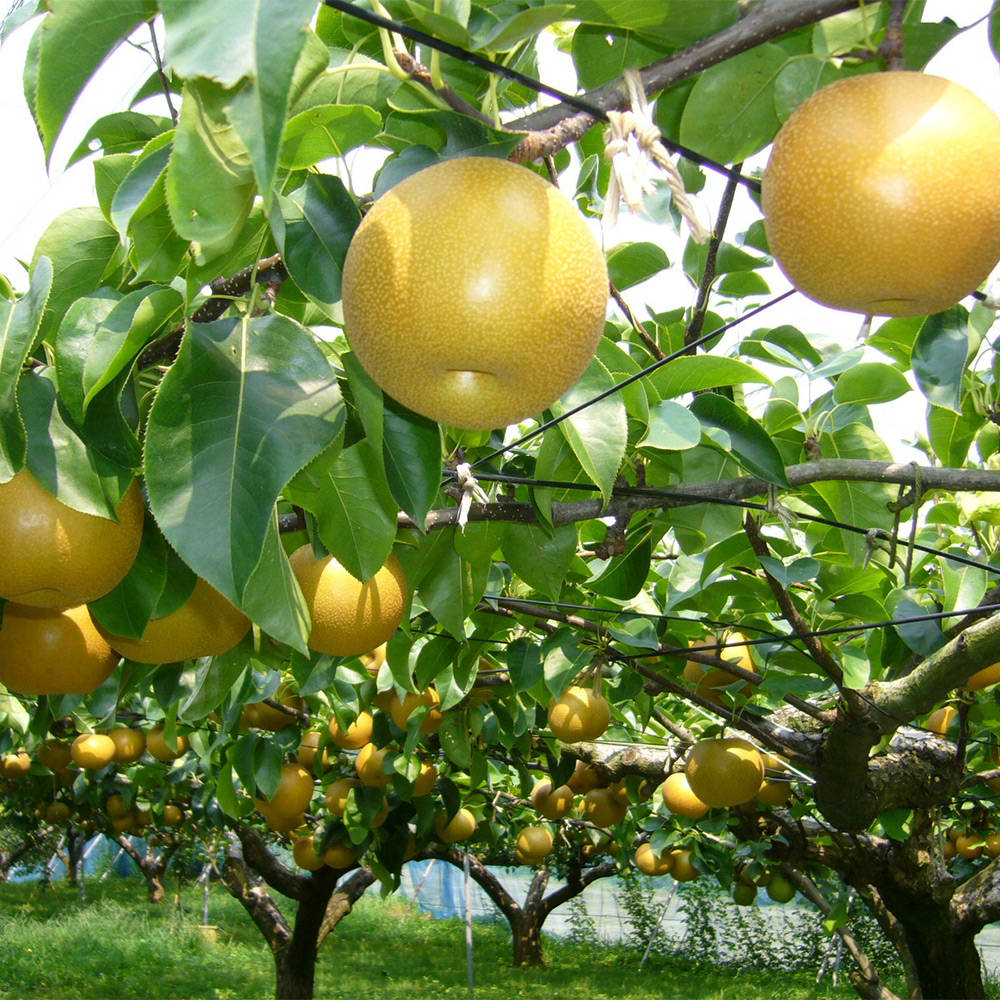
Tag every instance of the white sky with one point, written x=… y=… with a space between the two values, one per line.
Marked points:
x=33 y=198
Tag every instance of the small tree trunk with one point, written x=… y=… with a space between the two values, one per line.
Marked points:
x=527 y=938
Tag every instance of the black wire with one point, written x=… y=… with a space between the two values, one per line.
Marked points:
x=882 y=534
x=481 y=62
x=648 y=370
x=763 y=641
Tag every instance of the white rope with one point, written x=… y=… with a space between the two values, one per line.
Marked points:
x=471 y=490
x=633 y=148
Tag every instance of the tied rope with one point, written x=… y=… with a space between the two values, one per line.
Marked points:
x=632 y=146
x=471 y=490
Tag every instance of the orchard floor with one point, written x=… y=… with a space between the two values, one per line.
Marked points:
x=119 y=947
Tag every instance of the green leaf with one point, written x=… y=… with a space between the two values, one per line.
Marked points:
x=676 y=23
x=623 y=576
x=600 y=56
x=135 y=187
x=799 y=571
x=871 y=382
x=121 y=132
x=275 y=35
x=449 y=586
x=225 y=790
x=313 y=226
x=923 y=637
x=748 y=442
x=59 y=458
x=210 y=180
x=524 y=664
x=951 y=434
x=730 y=113
x=246 y=405
x=563 y=658
x=215 y=677
x=455 y=741
x=798 y=80
x=598 y=434
x=672 y=427
x=939 y=357
x=80 y=245
x=964 y=586
x=540 y=558
x=101 y=334
x=19 y=323
x=354 y=508
x=994 y=26
x=75 y=38
x=127 y=609
x=327 y=130
x=524 y=24
x=705 y=371
x=632 y=263
x=411 y=450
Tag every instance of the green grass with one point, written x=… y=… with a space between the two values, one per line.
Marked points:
x=120 y=946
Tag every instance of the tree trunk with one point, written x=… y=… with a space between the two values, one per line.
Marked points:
x=947 y=961
x=526 y=929
x=151 y=865
x=295 y=963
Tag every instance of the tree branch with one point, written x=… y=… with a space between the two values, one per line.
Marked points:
x=767 y=20
x=867 y=981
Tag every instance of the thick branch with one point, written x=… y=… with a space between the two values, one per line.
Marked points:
x=867 y=981
x=342 y=901
x=253 y=896
x=929 y=683
x=573 y=888
x=277 y=875
x=976 y=903
x=767 y=20
x=626 y=502
x=482 y=876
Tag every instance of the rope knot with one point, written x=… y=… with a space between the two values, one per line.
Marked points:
x=633 y=147
x=471 y=490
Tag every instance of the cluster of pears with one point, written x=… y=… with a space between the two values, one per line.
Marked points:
x=288 y=810
x=56 y=559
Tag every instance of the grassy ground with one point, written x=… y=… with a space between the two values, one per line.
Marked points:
x=120 y=946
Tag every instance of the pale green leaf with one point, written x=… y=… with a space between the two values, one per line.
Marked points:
x=704 y=371
x=672 y=427
x=598 y=433
x=210 y=180
x=870 y=382
x=75 y=38
x=325 y=131
x=354 y=509
x=80 y=244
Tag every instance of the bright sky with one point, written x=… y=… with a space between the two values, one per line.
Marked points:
x=33 y=198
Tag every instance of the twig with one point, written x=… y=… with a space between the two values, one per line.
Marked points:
x=652 y=346
x=697 y=322
x=789 y=612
